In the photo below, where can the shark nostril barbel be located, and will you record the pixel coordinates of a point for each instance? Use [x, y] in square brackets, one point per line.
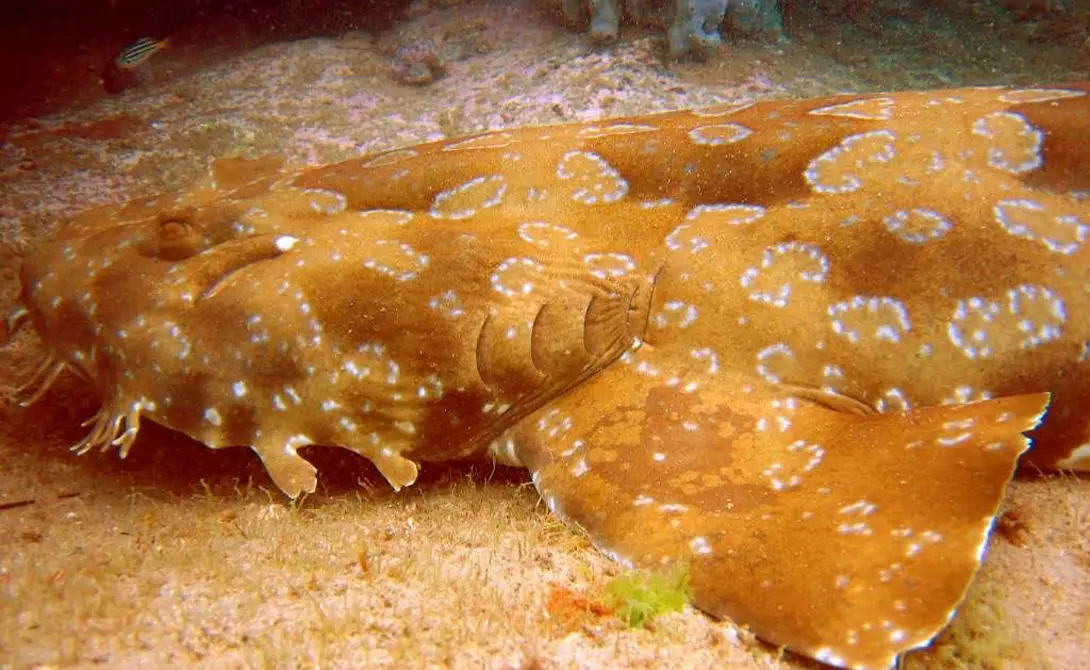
[36, 386]
[16, 320]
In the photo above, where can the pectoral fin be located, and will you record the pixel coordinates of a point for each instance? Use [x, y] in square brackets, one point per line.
[848, 538]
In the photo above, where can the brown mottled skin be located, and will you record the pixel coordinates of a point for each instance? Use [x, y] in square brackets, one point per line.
[794, 344]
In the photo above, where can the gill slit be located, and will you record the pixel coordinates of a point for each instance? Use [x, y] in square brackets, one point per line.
[539, 366]
[652, 287]
[479, 350]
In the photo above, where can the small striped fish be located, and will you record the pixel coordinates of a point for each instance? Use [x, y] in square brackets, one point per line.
[139, 52]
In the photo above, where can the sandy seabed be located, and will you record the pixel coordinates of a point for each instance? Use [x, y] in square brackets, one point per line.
[188, 557]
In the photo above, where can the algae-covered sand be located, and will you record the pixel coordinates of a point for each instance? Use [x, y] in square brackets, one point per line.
[185, 556]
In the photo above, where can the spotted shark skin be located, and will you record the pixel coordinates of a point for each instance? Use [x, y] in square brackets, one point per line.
[796, 345]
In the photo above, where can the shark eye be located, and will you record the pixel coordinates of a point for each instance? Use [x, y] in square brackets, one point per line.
[179, 238]
[174, 229]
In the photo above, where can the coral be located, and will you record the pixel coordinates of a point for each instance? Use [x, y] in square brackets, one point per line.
[755, 16]
[692, 26]
[605, 19]
[695, 26]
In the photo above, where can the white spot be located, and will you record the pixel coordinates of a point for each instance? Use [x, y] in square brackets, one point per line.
[1028, 219]
[212, 416]
[859, 528]
[719, 134]
[647, 369]
[324, 201]
[827, 656]
[1034, 95]
[389, 158]
[675, 312]
[469, 198]
[959, 424]
[699, 545]
[968, 328]
[447, 304]
[546, 235]
[840, 169]
[966, 394]
[709, 355]
[286, 242]
[673, 507]
[396, 259]
[1040, 314]
[292, 444]
[591, 132]
[723, 109]
[730, 214]
[397, 217]
[513, 276]
[869, 109]
[773, 280]
[595, 180]
[609, 266]
[860, 507]
[917, 226]
[684, 237]
[493, 140]
[766, 360]
[1015, 143]
[883, 317]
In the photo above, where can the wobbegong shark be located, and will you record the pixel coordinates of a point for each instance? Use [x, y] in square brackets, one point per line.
[799, 346]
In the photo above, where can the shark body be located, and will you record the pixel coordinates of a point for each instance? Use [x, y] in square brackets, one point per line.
[796, 345]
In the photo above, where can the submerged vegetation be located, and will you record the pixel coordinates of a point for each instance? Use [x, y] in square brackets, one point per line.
[638, 597]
